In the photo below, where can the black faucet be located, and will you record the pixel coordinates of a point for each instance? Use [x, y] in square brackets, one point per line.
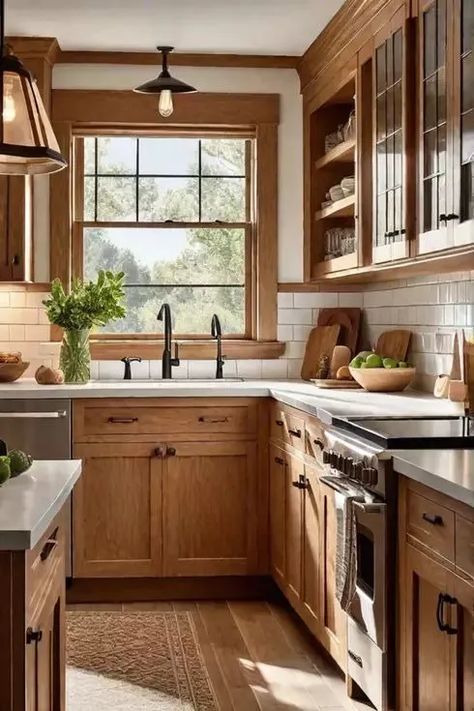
[216, 332]
[164, 314]
[127, 375]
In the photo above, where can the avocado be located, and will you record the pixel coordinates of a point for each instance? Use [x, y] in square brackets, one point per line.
[19, 462]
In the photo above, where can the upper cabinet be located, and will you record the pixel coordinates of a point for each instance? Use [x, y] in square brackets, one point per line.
[390, 116]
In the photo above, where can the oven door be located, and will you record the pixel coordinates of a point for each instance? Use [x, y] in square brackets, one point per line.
[368, 604]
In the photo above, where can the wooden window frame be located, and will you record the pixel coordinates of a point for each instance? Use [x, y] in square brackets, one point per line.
[84, 112]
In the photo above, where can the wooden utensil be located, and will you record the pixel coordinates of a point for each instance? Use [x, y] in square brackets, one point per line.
[349, 321]
[393, 344]
[332, 384]
[457, 380]
[341, 355]
[321, 341]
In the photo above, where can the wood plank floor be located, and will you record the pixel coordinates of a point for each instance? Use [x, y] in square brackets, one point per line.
[259, 656]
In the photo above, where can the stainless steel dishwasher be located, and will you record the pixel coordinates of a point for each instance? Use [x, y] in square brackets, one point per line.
[41, 428]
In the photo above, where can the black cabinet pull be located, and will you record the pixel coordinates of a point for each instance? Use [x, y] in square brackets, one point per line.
[442, 625]
[319, 443]
[279, 423]
[355, 658]
[443, 217]
[122, 420]
[170, 452]
[213, 420]
[279, 460]
[301, 483]
[294, 433]
[452, 216]
[435, 520]
[49, 546]
[33, 635]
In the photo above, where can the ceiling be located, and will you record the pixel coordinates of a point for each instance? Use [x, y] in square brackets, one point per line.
[234, 26]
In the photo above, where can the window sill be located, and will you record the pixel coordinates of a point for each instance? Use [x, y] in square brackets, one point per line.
[188, 350]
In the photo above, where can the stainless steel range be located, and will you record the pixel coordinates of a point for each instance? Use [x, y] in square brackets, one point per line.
[356, 467]
[358, 462]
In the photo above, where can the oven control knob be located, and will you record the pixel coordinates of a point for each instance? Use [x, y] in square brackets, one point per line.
[326, 456]
[333, 459]
[348, 466]
[369, 476]
[357, 470]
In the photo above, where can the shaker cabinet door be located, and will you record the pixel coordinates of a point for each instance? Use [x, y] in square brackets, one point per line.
[117, 511]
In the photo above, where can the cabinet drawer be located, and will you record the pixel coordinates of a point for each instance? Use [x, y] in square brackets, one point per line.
[465, 545]
[432, 524]
[44, 562]
[126, 418]
[288, 427]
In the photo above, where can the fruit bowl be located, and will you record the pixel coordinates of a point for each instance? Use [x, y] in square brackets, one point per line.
[9, 372]
[383, 380]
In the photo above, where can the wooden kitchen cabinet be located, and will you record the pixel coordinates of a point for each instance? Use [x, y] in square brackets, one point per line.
[209, 509]
[32, 623]
[117, 511]
[303, 530]
[278, 513]
[436, 602]
[16, 228]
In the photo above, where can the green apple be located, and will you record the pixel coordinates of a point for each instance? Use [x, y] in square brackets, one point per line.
[403, 364]
[390, 363]
[374, 361]
[356, 362]
[364, 354]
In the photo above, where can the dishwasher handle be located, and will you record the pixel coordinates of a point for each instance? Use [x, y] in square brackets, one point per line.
[56, 415]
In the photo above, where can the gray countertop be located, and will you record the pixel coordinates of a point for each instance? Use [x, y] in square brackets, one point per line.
[29, 502]
[449, 471]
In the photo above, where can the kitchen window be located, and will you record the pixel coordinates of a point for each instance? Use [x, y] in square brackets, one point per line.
[176, 214]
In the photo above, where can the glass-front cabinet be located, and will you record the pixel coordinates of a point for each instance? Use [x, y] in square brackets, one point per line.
[446, 124]
[391, 113]
[463, 184]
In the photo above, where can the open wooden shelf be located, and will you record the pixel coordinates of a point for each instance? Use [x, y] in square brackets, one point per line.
[342, 153]
[336, 265]
[341, 208]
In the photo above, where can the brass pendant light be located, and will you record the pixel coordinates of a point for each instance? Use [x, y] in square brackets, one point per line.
[28, 145]
[165, 85]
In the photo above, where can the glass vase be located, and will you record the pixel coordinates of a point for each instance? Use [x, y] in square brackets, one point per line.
[75, 356]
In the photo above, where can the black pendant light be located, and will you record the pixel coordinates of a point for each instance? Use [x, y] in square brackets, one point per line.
[165, 85]
[28, 145]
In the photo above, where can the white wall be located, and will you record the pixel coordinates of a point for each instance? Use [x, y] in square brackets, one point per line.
[274, 81]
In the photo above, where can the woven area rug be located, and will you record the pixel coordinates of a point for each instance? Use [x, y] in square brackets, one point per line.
[135, 661]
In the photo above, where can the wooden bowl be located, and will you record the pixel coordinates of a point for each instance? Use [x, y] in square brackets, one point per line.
[383, 380]
[9, 372]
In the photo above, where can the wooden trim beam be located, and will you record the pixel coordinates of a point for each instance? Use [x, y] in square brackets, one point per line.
[181, 59]
[188, 350]
[81, 106]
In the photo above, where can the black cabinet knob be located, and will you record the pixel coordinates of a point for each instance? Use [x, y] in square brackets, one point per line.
[33, 635]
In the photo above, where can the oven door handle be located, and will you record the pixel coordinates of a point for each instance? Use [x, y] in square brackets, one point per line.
[339, 488]
[374, 508]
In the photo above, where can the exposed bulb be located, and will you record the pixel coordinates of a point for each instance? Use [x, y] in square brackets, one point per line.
[165, 107]
[9, 111]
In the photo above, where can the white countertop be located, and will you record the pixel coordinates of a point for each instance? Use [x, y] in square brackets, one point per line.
[293, 392]
[449, 471]
[29, 502]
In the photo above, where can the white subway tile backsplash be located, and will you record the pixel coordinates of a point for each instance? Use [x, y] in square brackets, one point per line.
[285, 300]
[432, 307]
[293, 316]
[285, 332]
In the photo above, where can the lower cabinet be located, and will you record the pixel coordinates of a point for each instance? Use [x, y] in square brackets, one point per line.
[436, 657]
[117, 511]
[166, 509]
[44, 657]
[210, 509]
[302, 544]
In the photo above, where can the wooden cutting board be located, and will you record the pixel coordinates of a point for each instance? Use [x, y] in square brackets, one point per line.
[321, 341]
[349, 321]
[332, 384]
[393, 344]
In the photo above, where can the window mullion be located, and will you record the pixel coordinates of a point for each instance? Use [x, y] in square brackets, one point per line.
[199, 179]
[137, 189]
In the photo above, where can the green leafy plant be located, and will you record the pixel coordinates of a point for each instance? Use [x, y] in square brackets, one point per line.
[88, 304]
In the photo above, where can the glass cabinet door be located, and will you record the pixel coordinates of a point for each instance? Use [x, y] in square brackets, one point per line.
[463, 216]
[434, 129]
[389, 240]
